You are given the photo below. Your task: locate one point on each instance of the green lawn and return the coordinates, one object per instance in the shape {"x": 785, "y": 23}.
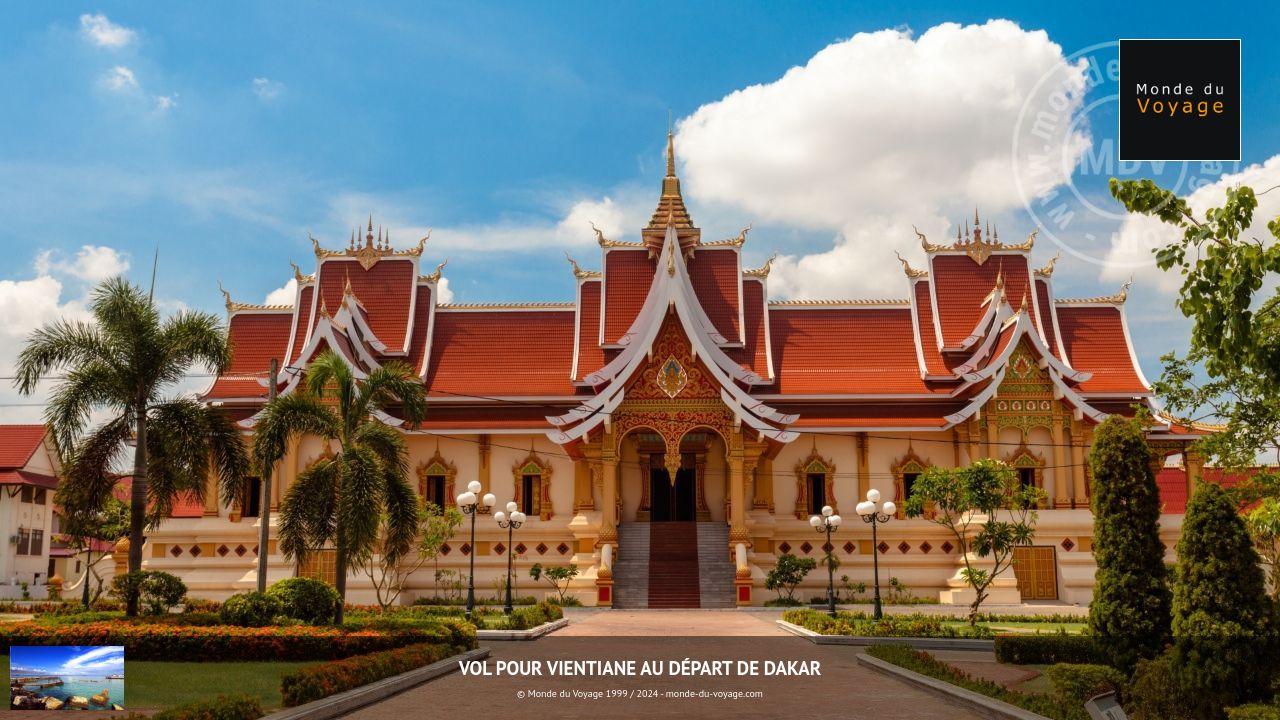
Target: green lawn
{"x": 154, "y": 685}
{"x": 1071, "y": 628}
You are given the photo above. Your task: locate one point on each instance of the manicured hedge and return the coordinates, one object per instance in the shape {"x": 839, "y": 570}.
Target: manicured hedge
{"x": 1080, "y": 682}
{"x": 321, "y": 681}
{"x": 225, "y": 643}
{"x": 1254, "y": 711}
{"x": 1049, "y": 650}
{"x": 1051, "y": 706}
{"x": 237, "y": 707}
{"x": 864, "y": 625}
{"x": 527, "y": 618}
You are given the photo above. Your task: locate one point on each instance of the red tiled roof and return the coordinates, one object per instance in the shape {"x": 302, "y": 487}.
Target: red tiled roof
{"x": 186, "y": 505}
{"x": 933, "y": 360}
{"x": 715, "y": 275}
{"x": 590, "y": 356}
{"x": 961, "y": 284}
{"x": 383, "y": 290}
{"x": 922, "y": 415}
{"x": 1172, "y": 483}
{"x": 1094, "y": 339}
{"x": 755, "y": 351}
{"x": 489, "y": 353}
{"x": 1044, "y": 302}
{"x": 844, "y": 351}
{"x": 22, "y": 477}
{"x": 18, "y": 443}
{"x": 301, "y": 323}
{"x": 421, "y": 325}
{"x": 256, "y": 337}
{"x": 628, "y": 275}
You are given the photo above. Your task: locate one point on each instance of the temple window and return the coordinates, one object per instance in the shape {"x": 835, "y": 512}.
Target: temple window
{"x": 1028, "y": 466}
{"x": 251, "y": 501}
{"x": 906, "y": 470}
{"x": 815, "y": 485}
{"x": 532, "y": 478}
{"x": 436, "y": 478}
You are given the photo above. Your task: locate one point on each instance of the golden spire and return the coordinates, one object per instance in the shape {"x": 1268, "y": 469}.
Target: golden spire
{"x": 671, "y": 152}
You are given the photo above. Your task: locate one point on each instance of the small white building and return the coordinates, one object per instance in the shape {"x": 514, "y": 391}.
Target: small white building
{"x": 29, "y": 468}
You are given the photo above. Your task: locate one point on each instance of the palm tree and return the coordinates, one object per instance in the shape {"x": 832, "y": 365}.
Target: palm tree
{"x": 122, "y": 364}
{"x": 345, "y": 500}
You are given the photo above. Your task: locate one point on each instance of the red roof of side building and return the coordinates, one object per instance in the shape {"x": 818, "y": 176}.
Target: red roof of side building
{"x": 590, "y": 354}
{"x": 841, "y": 351}
{"x": 501, "y": 352}
{"x": 715, "y": 275}
{"x": 18, "y": 443}
{"x": 256, "y": 337}
{"x": 1095, "y": 341}
{"x": 303, "y": 316}
{"x": 1172, "y": 483}
{"x": 22, "y": 477}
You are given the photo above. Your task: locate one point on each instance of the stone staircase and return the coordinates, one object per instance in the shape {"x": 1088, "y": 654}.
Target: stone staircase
{"x": 657, "y": 566}
{"x": 715, "y": 568}
{"x": 631, "y": 567}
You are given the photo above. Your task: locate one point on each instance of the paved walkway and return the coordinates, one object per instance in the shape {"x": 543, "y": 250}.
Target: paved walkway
{"x": 844, "y": 689}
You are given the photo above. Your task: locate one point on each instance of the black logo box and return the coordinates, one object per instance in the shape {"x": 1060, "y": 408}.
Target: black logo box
{"x": 1157, "y": 73}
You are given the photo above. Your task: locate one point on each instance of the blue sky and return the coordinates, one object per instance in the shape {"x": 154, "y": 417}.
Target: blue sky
{"x": 87, "y": 661}
{"x": 224, "y": 132}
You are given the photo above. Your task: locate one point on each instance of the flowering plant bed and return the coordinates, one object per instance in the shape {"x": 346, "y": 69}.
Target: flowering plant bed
{"x": 224, "y": 642}
{"x": 321, "y": 681}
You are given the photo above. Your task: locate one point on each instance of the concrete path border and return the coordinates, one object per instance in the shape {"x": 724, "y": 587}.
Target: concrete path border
{"x": 990, "y": 707}
{"x": 917, "y": 643}
{"x": 530, "y": 634}
{"x": 336, "y": 706}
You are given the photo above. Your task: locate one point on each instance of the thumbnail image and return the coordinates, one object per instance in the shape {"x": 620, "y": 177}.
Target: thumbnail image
{"x": 66, "y": 678}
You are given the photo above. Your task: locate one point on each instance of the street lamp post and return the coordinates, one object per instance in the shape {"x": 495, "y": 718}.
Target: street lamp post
{"x": 826, "y": 523}
{"x": 510, "y": 521}
{"x": 469, "y": 504}
{"x": 874, "y": 515}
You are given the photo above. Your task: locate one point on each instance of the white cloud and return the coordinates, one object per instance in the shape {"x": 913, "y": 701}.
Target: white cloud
{"x": 266, "y": 88}
{"x": 93, "y": 263}
{"x": 874, "y": 134}
{"x": 100, "y": 31}
{"x": 120, "y": 78}
{"x": 443, "y": 293}
{"x": 166, "y": 102}
{"x": 1132, "y": 245}
{"x": 283, "y": 295}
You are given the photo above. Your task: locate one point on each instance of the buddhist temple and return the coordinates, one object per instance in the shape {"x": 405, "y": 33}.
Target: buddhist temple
{"x": 670, "y": 429}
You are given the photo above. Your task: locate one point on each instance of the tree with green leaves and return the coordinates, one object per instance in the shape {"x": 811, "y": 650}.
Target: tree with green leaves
{"x": 122, "y": 364}
{"x": 559, "y": 577}
{"x": 787, "y": 573}
{"x": 1263, "y": 522}
{"x": 83, "y": 527}
{"x": 989, "y": 513}
{"x": 1229, "y": 290}
{"x": 1224, "y": 625}
{"x": 389, "y": 573}
{"x": 1130, "y": 608}
{"x": 359, "y": 501}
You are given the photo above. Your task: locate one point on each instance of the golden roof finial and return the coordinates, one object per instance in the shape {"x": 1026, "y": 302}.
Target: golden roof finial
{"x": 671, "y": 260}
{"x": 600, "y": 238}
{"x": 297, "y": 272}
{"x": 422, "y": 242}
{"x": 578, "y": 272}
{"x": 975, "y": 218}
{"x": 763, "y": 270}
{"x": 226, "y": 296}
{"x": 1123, "y": 295}
{"x": 315, "y": 244}
{"x": 324, "y": 310}
{"x": 928, "y": 246}
{"x": 671, "y": 147}
{"x": 906, "y": 267}
{"x": 1027, "y": 244}
{"x": 435, "y": 276}
{"x": 1047, "y": 270}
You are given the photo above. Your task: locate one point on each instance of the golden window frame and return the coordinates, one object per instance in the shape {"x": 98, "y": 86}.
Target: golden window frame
{"x": 534, "y": 465}
{"x": 437, "y": 465}
{"x": 814, "y": 464}
{"x": 1022, "y": 457}
{"x": 909, "y": 463}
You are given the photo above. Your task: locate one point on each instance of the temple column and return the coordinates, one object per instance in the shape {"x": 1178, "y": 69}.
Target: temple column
{"x": 1052, "y": 487}
{"x": 955, "y": 447}
{"x": 608, "y": 536}
{"x": 582, "y": 499}
{"x": 1078, "y": 493}
{"x": 739, "y": 537}
{"x": 975, "y": 441}
{"x": 992, "y": 435}
{"x": 211, "y": 495}
{"x": 864, "y": 467}
{"x": 485, "y": 474}
{"x": 763, "y": 496}
{"x": 1194, "y": 464}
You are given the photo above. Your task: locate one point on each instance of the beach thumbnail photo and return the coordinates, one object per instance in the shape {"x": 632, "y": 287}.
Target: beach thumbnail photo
{"x": 66, "y": 678}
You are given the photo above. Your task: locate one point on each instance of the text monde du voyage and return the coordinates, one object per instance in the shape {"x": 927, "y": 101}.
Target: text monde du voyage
{"x": 1179, "y": 99}
{"x": 688, "y": 667}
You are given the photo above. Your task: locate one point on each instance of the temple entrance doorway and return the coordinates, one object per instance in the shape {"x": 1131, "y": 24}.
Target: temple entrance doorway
{"x": 673, "y": 501}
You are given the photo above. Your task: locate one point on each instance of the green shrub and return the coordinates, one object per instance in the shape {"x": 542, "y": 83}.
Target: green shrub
{"x": 1156, "y": 694}
{"x": 527, "y": 618}
{"x": 787, "y": 573}
{"x": 306, "y": 599}
{"x": 1224, "y": 624}
{"x": 250, "y": 609}
{"x": 192, "y": 605}
{"x": 1049, "y": 650}
{"x": 783, "y": 602}
{"x": 1077, "y": 682}
{"x": 922, "y": 662}
{"x": 237, "y": 707}
{"x": 1254, "y": 711}
{"x": 321, "y": 681}
{"x": 157, "y": 591}
{"x": 864, "y": 625}
{"x": 1130, "y": 612}
{"x": 168, "y": 642}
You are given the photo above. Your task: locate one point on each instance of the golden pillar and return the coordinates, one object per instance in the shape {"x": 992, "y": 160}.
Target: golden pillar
{"x": 486, "y": 469}
{"x": 864, "y": 467}
{"x": 737, "y": 491}
{"x": 608, "y": 490}
{"x": 1194, "y": 463}
{"x": 992, "y": 435}
{"x": 763, "y": 496}
{"x": 582, "y": 499}
{"x": 1079, "y": 496}
{"x": 1060, "y": 474}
